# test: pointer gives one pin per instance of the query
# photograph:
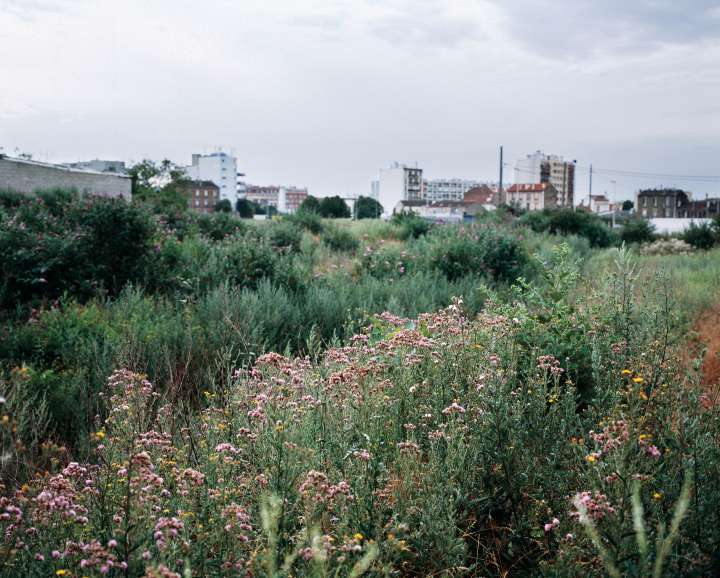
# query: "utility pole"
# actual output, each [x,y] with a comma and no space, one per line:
[500,199]
[590,194]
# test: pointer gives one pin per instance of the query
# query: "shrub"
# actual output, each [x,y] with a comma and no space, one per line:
[412,226]
[570,222]
[284,235]
[223,206]
[334,208]
[217,226]
[59,243]
[491,253]
[637,231]
[700,236]
[308,220]
[339,239]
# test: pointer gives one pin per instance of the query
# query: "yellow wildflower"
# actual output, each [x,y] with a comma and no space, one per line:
[591,458]
[638,379]
[99,435]
[60,572]
[626,372]
[657,496]
[358,536]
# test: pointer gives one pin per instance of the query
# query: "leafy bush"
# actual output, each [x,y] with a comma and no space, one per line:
[488,252]
[339,239]
[637,231]
[223,206]
[284,235]
[702,236]
[334,208]
[308,220]
[217,226]
[570,222]
[61,243]
[412,226]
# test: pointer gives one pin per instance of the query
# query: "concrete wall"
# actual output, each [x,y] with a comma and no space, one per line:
[668,226]
[29,176]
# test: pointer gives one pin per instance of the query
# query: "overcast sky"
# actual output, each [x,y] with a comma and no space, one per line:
[323,93]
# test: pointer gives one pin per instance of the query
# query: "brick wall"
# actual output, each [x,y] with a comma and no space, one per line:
[30,176]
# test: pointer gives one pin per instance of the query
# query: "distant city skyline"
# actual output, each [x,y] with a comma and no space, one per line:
[323,94]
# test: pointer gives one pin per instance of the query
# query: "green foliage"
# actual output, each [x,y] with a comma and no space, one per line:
[637,231]
[223,206]
[218,226]
[285,235]
[569,222]
[703,236]
[245,208]
[57,244]
[368,208]
[339,239]
[308,220]
[478,251]
[159,184]
[412,225]
[333,208]
[310,204]
[628,205]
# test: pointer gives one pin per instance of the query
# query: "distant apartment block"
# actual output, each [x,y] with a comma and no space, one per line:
[399,183]
[284,199]
[542,168]
[28,176]
[532,196]
[663,203]
[438,190]
[219,168]
[674,204]
[202,196]
[99,166]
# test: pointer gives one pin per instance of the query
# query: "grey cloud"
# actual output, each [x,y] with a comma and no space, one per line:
[443,31]
[578,28]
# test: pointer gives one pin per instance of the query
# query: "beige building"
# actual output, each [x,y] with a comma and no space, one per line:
[532,197]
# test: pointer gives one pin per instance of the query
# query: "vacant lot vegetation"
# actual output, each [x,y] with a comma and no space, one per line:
[214,397]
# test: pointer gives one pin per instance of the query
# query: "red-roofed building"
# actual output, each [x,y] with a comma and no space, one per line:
[532,196]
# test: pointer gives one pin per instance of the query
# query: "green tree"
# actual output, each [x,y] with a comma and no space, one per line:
[368,208]
[223,206]
[628,205]
[310,205]
[245,208]
[334,208]
[159,184]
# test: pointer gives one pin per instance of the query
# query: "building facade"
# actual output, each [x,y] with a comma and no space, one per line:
[291,198]
[532,197]
[202,196]
[263,196]
[399,183]
[542,168]
[219,168]
[663,203]
[439,190]
[28,176]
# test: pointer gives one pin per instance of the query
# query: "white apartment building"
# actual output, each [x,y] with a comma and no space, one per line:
[542,168]
[219,168]
[440,190]
[398,183]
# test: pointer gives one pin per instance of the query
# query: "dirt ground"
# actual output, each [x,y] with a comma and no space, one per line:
[708,334]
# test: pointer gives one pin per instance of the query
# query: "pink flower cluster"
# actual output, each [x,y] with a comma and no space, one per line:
[317,487]
[595,505]
[612,436]
[550,364]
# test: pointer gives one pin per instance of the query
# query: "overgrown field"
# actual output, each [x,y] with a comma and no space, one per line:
[232,400]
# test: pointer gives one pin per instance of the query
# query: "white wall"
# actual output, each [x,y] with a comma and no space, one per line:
[391,188]
[669,226]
